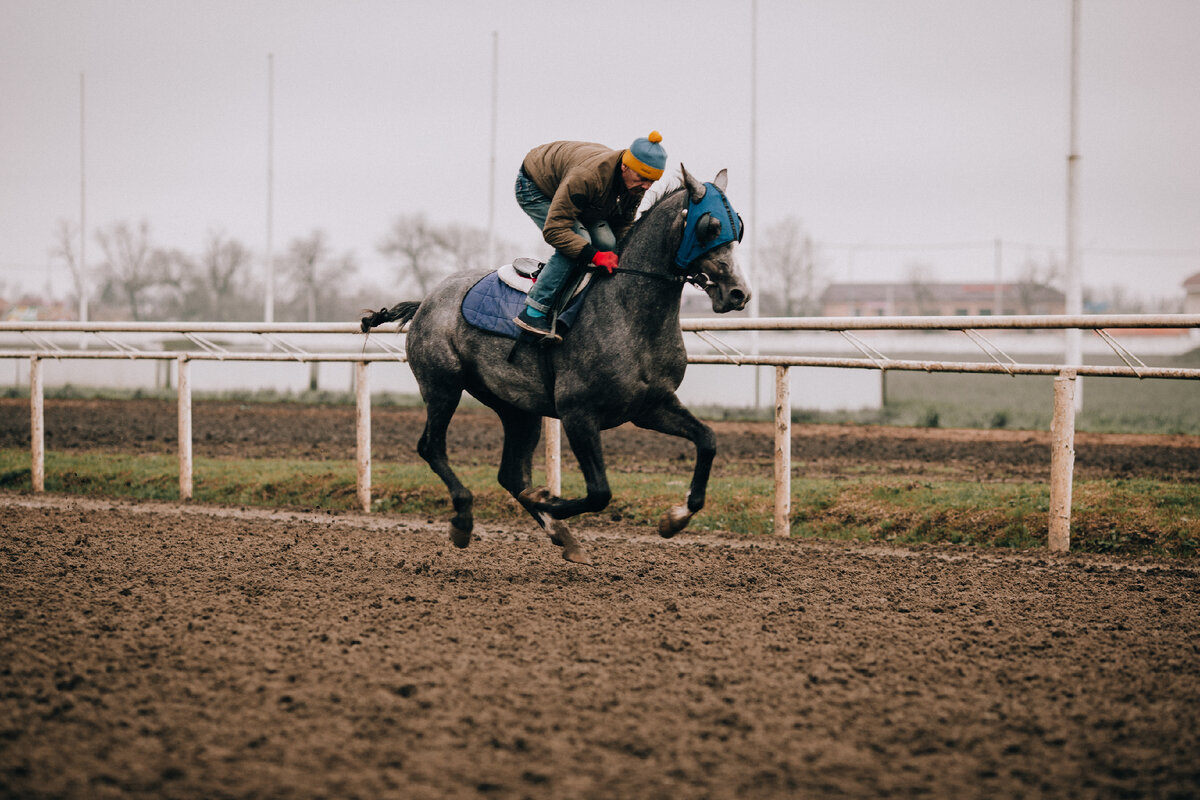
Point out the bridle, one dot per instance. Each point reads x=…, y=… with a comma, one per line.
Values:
x=712, y=206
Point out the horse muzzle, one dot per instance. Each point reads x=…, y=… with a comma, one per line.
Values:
x=728, y=298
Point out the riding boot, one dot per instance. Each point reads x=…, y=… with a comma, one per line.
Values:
x=540, y=326
x=544, y=297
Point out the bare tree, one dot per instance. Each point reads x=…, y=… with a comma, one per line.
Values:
x=465, y=246
x=169, y=297
x=63, y=249
x=316, y=271
x=218, y=281
x=129, y=268
x=418, y=249
x=788, y=267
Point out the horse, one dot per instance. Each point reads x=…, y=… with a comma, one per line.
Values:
x=622, y=361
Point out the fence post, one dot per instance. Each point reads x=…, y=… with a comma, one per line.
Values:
x=783, y=453
x=184, y=384
x=362, y=422
x=552, y=430
x=37, y=425
x=1062, y=461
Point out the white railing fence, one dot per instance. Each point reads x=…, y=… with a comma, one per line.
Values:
x=39, y=341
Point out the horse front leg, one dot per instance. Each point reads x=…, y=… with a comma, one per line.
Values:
x=584, y=438
x=673, y=418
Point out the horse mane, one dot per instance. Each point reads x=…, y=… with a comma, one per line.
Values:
x=671, y=190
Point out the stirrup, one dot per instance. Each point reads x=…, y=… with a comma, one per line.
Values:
x=547, y=334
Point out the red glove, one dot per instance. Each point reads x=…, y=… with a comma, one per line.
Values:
x=606, y=259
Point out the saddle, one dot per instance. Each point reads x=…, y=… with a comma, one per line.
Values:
x=497, y=297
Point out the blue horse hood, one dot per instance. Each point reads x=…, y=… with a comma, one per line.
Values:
x=713, y=203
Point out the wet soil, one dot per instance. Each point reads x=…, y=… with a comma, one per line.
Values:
x=169, y=650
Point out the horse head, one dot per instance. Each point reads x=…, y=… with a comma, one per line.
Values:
x=710, y=229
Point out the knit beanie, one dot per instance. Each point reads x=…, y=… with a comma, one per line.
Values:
x=646, y=156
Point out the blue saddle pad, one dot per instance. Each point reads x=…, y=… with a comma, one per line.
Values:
x=491, y=304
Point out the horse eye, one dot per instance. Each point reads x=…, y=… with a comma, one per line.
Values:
x=712, y=227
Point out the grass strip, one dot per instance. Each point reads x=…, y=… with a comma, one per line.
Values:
x=1120, y=516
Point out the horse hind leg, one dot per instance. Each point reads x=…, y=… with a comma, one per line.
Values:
x=432, y=448
x=521, y=432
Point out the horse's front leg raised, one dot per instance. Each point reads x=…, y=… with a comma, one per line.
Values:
x=584, y=438
x=671, y=417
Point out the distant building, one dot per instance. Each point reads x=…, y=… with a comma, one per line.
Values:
x=1191, y=301
x=33, y=309
x=940, y=299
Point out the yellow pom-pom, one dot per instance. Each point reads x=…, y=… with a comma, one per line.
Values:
x=655, y=137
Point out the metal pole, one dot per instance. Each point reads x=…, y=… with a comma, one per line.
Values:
x=37, y=425
x=185, y=428
x=783, y=453
x=1074, y=338
x=998, y=286
x=362, y=423
x=1062, y=461
x=269, y=302
x=83, y=297
x=491, y=242
x=752, y=272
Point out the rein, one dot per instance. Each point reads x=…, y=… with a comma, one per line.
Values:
x=699, y=279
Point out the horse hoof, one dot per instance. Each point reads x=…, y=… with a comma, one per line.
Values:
x=535, y=497
x=675, y=520
x=559, y=533
x=576, y=555
x=459, y=537
x=573, y=551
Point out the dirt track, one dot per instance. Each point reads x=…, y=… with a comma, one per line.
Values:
x=159, y=651
x=192, y=652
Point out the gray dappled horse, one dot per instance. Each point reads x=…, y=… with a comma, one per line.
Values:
x=621, y=362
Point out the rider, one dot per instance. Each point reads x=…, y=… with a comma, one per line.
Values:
x=575, y=192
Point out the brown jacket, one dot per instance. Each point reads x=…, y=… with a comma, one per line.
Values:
x=584, y=184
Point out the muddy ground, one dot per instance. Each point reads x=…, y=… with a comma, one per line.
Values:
x=162, y=650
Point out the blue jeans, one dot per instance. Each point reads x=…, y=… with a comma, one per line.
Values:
x=534, y=202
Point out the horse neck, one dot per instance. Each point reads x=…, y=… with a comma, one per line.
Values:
x=649, y=302
x=645, y=302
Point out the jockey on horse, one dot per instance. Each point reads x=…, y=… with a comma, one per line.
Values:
x=583, y=197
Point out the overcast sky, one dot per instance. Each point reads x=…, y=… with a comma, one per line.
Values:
x=915, y=130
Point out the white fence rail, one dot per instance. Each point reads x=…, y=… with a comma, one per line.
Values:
x=39, y=341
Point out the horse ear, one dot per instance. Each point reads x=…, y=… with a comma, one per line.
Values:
x=695, y=188
x=721, y=179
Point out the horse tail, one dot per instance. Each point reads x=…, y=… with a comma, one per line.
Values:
x=401, y=311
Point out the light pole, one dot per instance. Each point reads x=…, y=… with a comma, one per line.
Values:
x=1074, y=336
x=269, y=302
